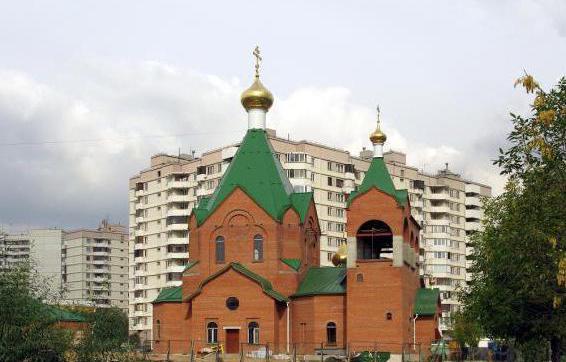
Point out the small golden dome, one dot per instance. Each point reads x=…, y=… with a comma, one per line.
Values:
x=377, y=136
x=257, y=96
x=341, y=256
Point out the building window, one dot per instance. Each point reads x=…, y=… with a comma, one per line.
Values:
x=158, y=327
x=253, y=333
x=220, y=250
x=331, y=333
x=359, y=277
x=389, y=316
x=212, y=332
x=258, y=248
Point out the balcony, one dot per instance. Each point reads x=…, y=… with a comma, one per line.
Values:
x=139, y=193
x=472, y=189
x=139, y=219
x=178, y=255
x=439, y=209
x=473, y=214
x=437, y=196
x=180, y=184
x=173, y=283
x=177, y=241
x=100, y=253
x=178, y=212
x=178, y=198
x=176, y=268
x=180, y=227
x=472, y=225
x=99, y=262
x=473, y=201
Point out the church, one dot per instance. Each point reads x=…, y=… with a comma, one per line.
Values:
x=254, y=274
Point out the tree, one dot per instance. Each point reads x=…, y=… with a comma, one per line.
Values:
x=106, y=338
x=518, y=291
x=28, y=330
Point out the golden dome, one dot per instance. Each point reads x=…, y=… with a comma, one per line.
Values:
x=377, y=136
x=341, y=256
x=257, y=96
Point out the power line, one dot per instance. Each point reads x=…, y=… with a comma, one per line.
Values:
x=98, y=140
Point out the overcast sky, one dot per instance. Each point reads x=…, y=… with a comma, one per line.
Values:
x=113, y=82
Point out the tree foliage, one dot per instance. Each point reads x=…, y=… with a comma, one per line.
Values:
x=27, y=329
x=518, y=291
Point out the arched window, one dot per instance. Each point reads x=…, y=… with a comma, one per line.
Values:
x=212, y=332
x=158, y=327
x=258, y=248
x=253, y=333
x=331, y=333
x=374, y=240
x=220, y=254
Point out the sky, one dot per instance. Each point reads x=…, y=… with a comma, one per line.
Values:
x=90, y=90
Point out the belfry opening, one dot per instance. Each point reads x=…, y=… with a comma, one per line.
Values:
x=374, y=240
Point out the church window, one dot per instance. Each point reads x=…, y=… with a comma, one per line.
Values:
x=158, y=327
x=359, y=277
x=258, y=248
x=253, y=333
x=212, y=332
x=331, y=333
x=389, y=316
x=220, y=253
x=232, y=303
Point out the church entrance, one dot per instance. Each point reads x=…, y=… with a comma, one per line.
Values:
x=232, y=340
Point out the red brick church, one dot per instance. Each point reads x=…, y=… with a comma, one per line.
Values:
x=254, y=276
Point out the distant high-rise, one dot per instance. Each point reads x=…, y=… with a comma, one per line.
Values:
x=95, y=266
x=162, y=197
x=40, y=246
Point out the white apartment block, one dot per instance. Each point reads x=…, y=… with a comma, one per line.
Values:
x=161, y=199
x=42, y=247
x=95, y=266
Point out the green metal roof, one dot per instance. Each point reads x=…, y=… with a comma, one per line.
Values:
x=322, y=280
x=170, y=295
x=378, y=176
x=264, y=283
x=257, y=171
x=426, y=301
x=63, y=315
x=300, y=202
x=190, y=264
x=294, y=264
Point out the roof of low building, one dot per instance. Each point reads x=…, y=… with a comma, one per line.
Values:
x=257, y=172
x=265, y=284
x=426, y=301
x=169, y=295
x=323, y=280
x=62, y=315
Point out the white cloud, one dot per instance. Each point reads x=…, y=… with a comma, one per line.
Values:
x=108, y=118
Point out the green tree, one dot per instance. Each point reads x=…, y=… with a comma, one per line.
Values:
x=28, y=330
x=519, y=261
x=107, y=336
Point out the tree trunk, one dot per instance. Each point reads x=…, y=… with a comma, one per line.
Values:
x=555, y=345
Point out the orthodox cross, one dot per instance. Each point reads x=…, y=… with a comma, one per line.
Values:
x=257, y=60
x=378, y=114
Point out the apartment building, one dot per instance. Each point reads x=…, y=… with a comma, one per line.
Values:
x=95, y=266
x=161, y=199
x=42, y=247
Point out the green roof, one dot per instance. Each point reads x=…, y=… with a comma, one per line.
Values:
x=171, y=295
x=264, y=283
x=190, y=264
x=322, y=281
x=426, y=301
x=257, y=171
x=378, y=176
x=294, y=264
x=63, y=315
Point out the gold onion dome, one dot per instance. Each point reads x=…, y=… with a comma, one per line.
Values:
x=257, y=96
x=341, y=256
x=377, y=136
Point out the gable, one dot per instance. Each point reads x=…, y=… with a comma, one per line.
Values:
x=265, y=284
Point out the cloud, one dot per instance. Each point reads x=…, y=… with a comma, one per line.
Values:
x=105, y=119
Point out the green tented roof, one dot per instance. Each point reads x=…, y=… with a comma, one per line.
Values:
x=258, y=173
x=190, y=264
x=63, y=315
x=300, y=202
x=426, y=301
x=378, y=176
x=322, y=281
x=171, y=295
x=264, y=283
x=294, y=264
